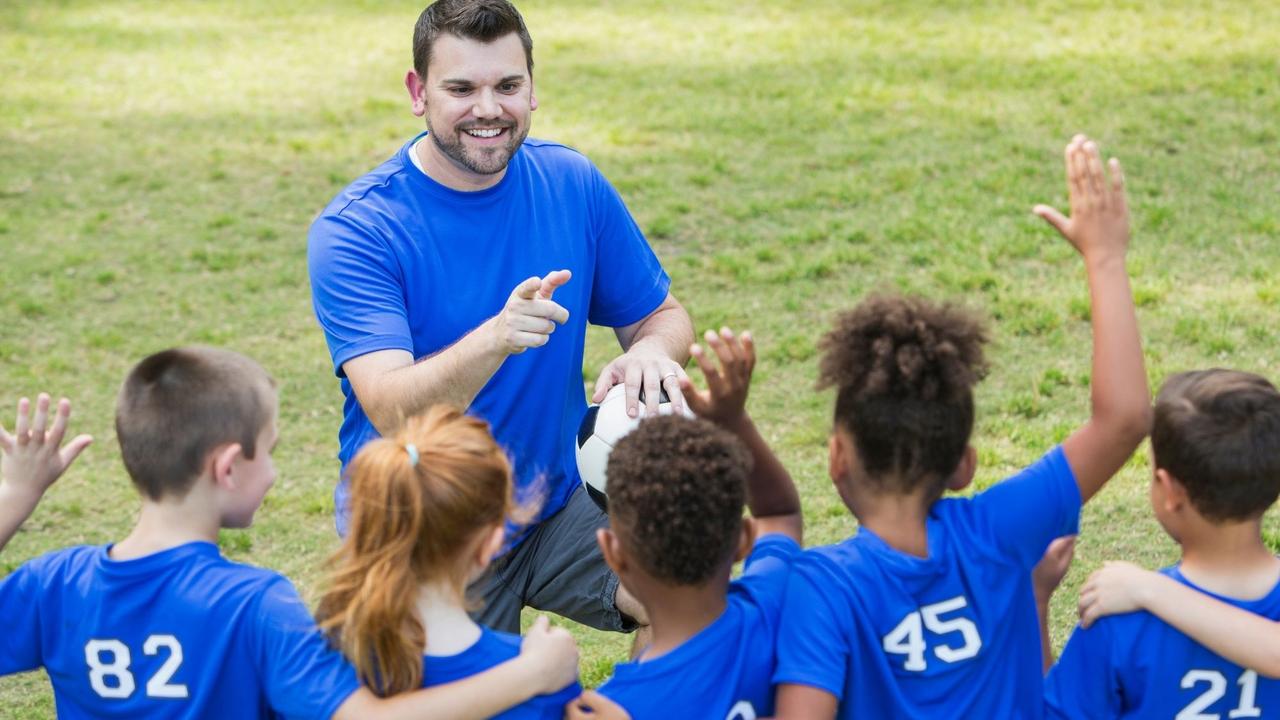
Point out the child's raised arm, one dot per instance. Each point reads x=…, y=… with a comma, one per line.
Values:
x=33, y=459
x=548, y=661
x=1246, y=639
x=771, y=494
x=1099, y=229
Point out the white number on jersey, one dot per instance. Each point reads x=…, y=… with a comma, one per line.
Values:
x=742, y=711
x=908, y=637
x=123, y=686
x=1246, y=708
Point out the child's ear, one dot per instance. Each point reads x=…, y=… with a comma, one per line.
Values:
x=965, y=471
x=611, y=550
x=837, y=458
x=223, y=460
x=1173, y=495
x=746, y=540
x=489, y=546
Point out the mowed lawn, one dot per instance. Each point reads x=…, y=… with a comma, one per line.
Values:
x=160, y=163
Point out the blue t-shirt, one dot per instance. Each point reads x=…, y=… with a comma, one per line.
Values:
x=183, y=633
x=953, y=635
x=1137, y=666
x=495, y=648
x=401, y=262
x=723, y=672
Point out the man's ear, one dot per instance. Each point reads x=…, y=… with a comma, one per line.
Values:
x=1173, y=493
x=533, y=96
x=612, y=551
x=417, y=87
x=223, y=460
x=965, y=471
x=746, y=539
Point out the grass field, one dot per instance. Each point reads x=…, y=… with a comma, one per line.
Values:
x=160, y=163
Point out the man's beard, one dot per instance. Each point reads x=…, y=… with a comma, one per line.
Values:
x=488, y=161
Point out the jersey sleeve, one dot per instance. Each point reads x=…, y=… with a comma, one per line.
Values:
x=1083, y=683
x=302, y=674
x=813, y=635
x=765, y=572
x=629, y=281
x=20, y=608
x=1020, y=516
x=356, y=290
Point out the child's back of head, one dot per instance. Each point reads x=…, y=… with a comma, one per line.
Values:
x=677, y=488
x=1218, y=433
x=177, y=405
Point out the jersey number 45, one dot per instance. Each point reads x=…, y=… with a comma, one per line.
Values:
x=908, y=637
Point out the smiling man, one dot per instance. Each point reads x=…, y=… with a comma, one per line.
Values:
x=465, y=269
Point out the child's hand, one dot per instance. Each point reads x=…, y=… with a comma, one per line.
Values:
x=34, y=458
x=1116, y=588
x=1048, y=573
x=552, y=654
x=1099, y=222
x=725, y=399
x=591, y=705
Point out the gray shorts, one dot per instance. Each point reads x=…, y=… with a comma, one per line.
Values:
x=559, y=569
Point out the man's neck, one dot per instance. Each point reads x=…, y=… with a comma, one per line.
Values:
x=437, y=166
x=1229, y=559
x=677, y=613
x=166, y=524
x=449, y=629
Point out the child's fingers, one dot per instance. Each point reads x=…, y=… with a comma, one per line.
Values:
x=1075, y=173
x=709, y=370
x=73, y=449
x=1059, y=221
x=722, y=345
x=1117, y=180
x=22, y=428
x=41, y=420
x=60, y=417
x=6, y=440
x=1097, y=178
x=540, y=624
x=748, y=349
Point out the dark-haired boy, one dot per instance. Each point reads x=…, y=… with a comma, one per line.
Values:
x=1215, y=448
x=928, y=611
x=676, y=492
x=160, y=624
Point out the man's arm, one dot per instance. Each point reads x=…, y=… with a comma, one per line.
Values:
x=391, y=386
x=654, y=351
x=771, y=493
x=33, y=459
x=1121, y=402
x=548, y=662
x=1246, y=639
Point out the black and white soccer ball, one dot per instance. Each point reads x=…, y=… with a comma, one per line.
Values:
x=601, y=429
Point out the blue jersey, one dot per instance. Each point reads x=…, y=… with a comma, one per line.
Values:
x=952, y=635
x=182, y=633
x=401, y=262
x=494, y=648
x=1137, y=666
x=723, y=672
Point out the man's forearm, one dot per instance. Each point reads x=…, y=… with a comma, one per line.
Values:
x=668, y=330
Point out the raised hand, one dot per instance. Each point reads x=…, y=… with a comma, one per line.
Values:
x=552, y=654
x=530, y=315
x=1099, y=221
x=725, y=399
x=33, y=455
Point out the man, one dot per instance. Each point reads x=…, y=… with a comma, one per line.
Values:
x=464, y=270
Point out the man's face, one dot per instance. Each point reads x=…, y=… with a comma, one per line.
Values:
x=477, y=98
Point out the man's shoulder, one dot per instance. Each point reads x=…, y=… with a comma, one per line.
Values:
x=372, y=191
x=551, y=156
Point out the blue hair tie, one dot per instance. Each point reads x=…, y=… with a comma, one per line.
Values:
x=413, y=454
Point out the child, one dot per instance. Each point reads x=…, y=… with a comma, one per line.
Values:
x=160, y=624
x=676, y=492
x=928, y=611
x=1215, y=448
x=33, y=459
x=428, y=509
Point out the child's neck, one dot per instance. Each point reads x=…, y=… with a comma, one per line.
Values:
x=678, y=612
x=1229, y=559
x=898, y=520
x=166, y=524
x=450, y=630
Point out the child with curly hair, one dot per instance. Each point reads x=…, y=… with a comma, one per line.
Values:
x=928, y=611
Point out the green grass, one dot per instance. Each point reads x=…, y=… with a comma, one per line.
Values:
x=161, y=161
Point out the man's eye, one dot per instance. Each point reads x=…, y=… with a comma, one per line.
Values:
x=508, y=87
x=459, y=90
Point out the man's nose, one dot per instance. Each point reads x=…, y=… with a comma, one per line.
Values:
x=486, y=105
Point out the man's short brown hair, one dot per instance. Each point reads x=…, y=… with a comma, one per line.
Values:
x=1218, y=432
x=480, y=20
x=677, y=487
x=179, y=404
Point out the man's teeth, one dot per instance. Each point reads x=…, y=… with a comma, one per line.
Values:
x=493, y=132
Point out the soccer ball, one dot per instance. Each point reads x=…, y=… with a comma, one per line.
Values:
x=601, y=428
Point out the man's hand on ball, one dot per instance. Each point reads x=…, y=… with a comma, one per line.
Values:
x=645, y=367
x=530, y=316
x=725, y=399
